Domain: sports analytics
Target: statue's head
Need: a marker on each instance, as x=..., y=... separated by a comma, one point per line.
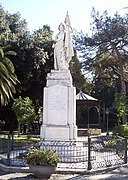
x=61, y=27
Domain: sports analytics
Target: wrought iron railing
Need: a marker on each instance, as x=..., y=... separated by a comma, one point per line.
x=108, y=150
x=93, y=153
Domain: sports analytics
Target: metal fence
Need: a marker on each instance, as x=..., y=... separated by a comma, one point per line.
x=11, y=152
x=93, y=153
x=108, y=151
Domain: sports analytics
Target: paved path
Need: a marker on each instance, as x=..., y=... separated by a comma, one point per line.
x=117, y=174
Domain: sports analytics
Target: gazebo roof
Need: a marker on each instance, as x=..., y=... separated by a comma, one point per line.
x=83, y=96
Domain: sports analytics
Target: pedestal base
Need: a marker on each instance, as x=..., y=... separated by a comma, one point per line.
x=59, y=133
x=59, y=108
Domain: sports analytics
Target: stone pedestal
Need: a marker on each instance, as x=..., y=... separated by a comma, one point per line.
x=59, y=107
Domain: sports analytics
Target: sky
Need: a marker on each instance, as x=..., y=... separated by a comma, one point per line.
x=52, y=12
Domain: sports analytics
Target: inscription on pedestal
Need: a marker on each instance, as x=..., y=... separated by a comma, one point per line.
x=57, y=105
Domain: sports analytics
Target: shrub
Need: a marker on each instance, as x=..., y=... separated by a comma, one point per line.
x=110, y=143
x=42, y=157
x=122, y=130
x=24, y=110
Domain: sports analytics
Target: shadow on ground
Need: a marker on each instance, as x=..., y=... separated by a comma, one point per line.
x=117, y=174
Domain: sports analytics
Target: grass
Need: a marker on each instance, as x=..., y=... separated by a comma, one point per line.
x=21, y=138
x=24, y=139
x=4, y=136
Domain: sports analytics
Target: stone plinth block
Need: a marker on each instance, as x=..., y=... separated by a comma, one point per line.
x=62, y=77
x=59, y=113
x=59, y=107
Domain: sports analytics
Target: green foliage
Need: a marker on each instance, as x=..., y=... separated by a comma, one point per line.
x=105, y=51
x=33, y=61
x=42, y=157
x=121, y=130
x=1, y=124
x=8, y=78
x=110, y=143
x=120, y=102
x=39, y=117
x=24, y=110
x=23, y=139
x=34, y=53
x=79, y=80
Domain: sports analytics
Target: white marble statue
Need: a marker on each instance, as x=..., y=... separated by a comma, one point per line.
x=59, y=102
x=63, y=49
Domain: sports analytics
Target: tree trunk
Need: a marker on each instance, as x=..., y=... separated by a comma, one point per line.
x=119, y=58
x=121, y=77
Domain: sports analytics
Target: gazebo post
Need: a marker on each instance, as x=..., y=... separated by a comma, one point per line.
x=88, y=115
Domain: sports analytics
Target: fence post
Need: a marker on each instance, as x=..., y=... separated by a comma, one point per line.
x=89, y=153
x=116, y=143
x=125, y=150
x=12, y=140
x=8, y=150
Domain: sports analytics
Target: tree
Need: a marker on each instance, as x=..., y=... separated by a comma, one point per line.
x=106, y=49
x=43, y=63
x=120, y=103
x=79, y=80
x=13, y=33
x=34, y=57
x=24, y=111
x=34, y=53
x=8, y=78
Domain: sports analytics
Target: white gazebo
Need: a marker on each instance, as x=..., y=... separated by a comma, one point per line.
x=88, y=102
x=85, y=97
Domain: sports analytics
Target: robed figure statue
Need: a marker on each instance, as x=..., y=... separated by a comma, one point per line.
x=63, y=49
